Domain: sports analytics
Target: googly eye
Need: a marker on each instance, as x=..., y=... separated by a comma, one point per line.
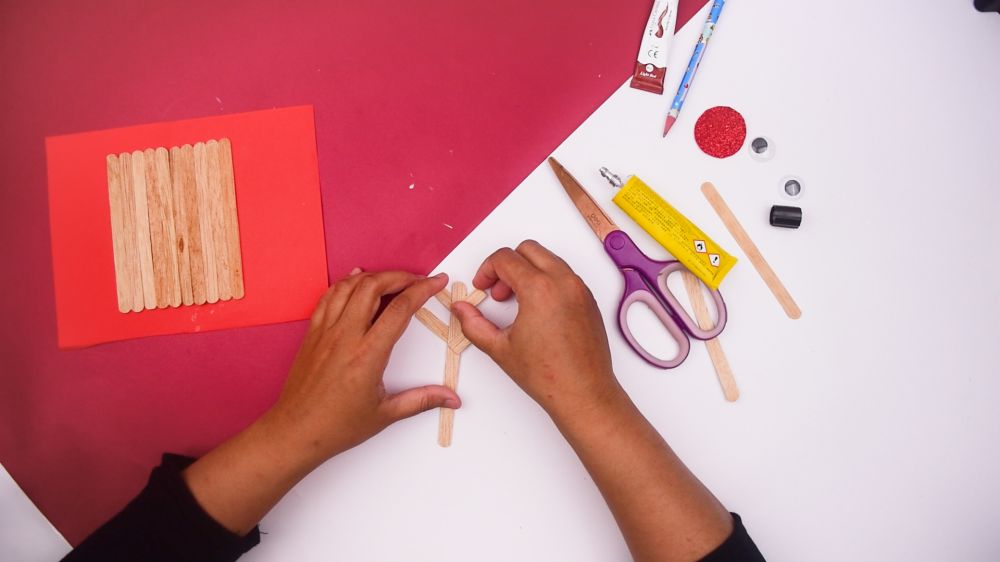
x=761, y=149
x=791, y=187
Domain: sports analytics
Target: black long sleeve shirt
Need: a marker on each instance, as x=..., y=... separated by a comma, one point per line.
x=165, y=523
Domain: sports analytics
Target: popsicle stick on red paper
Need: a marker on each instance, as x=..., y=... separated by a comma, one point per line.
x=232, y=223
x=184, y=171
x=143, y=244
x=456, y=342
x=178, y=176
x=162, y=236
x=130, y=242
x=205, y=222
x=218, y=221
x=119, y=209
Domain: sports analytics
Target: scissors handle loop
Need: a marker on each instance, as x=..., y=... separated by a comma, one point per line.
x=646, y=282
x=637, y=291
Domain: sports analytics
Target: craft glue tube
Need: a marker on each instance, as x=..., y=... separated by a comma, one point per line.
x=681, y=237
x=651, y=64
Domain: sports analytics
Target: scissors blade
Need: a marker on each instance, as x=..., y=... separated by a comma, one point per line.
x=599, y=222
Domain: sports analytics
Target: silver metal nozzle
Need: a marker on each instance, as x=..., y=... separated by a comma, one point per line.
x=612, y=178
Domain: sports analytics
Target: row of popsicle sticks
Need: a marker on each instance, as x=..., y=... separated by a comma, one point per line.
x=174, y=226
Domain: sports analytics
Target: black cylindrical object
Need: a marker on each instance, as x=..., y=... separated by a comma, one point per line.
x=786, y=217
x=987, y=5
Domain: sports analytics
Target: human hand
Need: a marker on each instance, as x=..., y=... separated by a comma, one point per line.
x=556, y=349
x=334, y=397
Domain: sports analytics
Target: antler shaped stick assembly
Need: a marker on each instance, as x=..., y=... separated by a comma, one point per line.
x=455, y=341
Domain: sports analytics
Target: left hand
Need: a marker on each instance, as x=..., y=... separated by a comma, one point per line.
x=334, y=398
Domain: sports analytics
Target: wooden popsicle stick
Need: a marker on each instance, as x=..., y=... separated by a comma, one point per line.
x=475, y=297
x=220, y=245
x=144, y=249
x=161, y=227
x=433, y=324
x=444, y=297
x=234, y=251
x=185, y=170
x=157, y=230
x=205, y=222
x=116, y=201
x=179, y=174
x=166, y=192
x=129, y=229
x=446, y=420
x=461, y=345
x=458, y=293
x=714, y=346
x=750, y=249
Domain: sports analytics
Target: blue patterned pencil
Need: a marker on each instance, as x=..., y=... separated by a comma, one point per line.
x=699, y=51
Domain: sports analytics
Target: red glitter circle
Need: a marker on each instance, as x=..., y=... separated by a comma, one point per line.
x=720, y=131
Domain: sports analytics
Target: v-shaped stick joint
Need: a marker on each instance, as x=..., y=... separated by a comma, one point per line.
x=455, y=344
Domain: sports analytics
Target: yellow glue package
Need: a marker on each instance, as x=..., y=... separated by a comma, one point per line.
x=685, y=241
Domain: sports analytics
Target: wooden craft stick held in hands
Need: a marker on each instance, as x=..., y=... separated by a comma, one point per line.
x=456, y=343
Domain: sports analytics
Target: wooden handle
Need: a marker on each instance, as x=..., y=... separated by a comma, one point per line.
x=722, y=369
x=750, y=249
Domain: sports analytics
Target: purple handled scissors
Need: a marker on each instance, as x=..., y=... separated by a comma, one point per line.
x=645, y=279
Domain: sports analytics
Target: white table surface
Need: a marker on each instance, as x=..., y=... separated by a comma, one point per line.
x=867, y=430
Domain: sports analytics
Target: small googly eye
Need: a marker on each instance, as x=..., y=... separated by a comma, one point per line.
x=761, y=149
x=791, y=187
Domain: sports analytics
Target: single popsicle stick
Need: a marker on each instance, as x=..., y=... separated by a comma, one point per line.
x=218, y=221
x=182, y=163
x=205, y=222
x=231, y=217
x=446, y=420
x=444, y=297
x=116, y=201
x=145, y=251
x=178, y=176
x=750, y=249
x=161, y=227
x=714, y=346
x=475, y=297
x=433, y=324
x=129, y=229
x=166, y=191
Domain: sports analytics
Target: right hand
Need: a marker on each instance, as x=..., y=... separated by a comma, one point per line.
x=556, y=349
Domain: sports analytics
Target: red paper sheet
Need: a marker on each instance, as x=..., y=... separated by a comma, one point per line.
x=280, y=220
x=463, y=97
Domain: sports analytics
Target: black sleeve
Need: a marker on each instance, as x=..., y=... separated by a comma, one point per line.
x=739, y=547
x=164, y=522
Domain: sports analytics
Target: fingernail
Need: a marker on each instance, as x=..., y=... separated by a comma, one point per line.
x=451, y=403
x=441, y=276
x=356, y=271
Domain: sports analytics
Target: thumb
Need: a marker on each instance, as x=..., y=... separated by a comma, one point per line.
x=416, y=400
x=481, y=332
